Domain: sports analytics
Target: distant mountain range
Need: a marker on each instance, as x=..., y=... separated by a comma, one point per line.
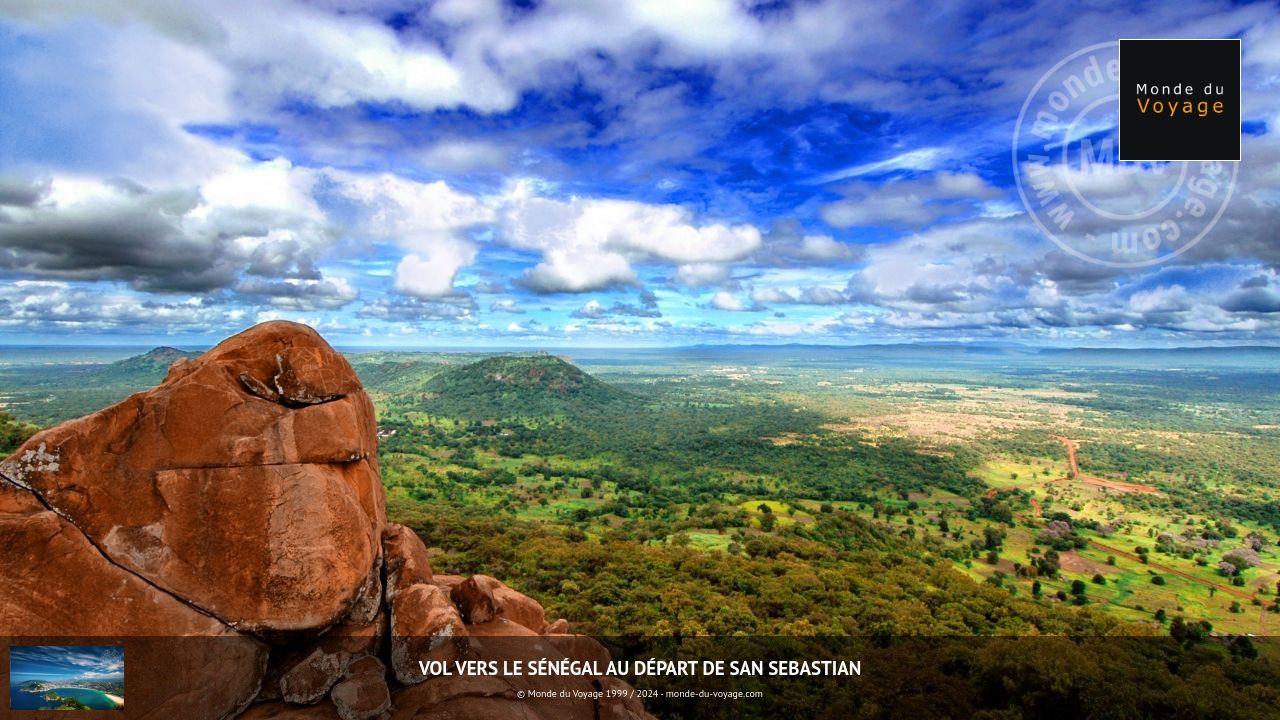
x=985, y=347
x=980, y=351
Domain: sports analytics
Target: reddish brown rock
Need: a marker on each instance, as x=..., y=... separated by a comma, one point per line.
x=621, y=703
x=282, y=711
x=363, y=692
x=501, y=627
x=481, y=598
x=447, y=582
x=406, y=558
x=494, y=698
x=246, y=483
x=367, y=609
x=526, y=697
x=425, y=626
x=310, y=679
x=559, y=627
x=459, y=698
x=581, y=647
x=343, y=640
x=56, y=583
x=317, y=543
x=359, y=639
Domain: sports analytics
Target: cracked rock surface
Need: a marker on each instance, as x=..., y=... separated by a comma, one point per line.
x=228, y=527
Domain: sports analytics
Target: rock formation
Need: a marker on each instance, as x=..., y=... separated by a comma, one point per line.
x=228, y=528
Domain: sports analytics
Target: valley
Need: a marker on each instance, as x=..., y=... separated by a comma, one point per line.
x=790, y=491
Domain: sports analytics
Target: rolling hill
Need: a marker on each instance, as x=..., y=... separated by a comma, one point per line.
x=145, y=370
x=520, y=385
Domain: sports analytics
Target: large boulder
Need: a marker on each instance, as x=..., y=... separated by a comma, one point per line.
x=481, y=598
x=425, y=626
x=309, y=680
x=407, y=560
x=363, y=692
x=245, y=484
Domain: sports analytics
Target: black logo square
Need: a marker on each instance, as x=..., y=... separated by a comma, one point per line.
x=1179, y=100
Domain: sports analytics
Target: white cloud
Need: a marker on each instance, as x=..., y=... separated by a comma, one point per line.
x=431, y=275
x=299, y=293
x=727, y=301
x=505, y=305
x=771, y=296
x=38, y=305
x=427, y=219
x=589, y=244
x=566, y=270
x=919, y=159
x=909, y=203
x=1173, y=298
x=591, y=309
x=250, y=217
x=275, y=184
x=696, y=275
x=463, y=156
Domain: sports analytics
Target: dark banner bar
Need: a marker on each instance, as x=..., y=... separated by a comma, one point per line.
x=705, y=677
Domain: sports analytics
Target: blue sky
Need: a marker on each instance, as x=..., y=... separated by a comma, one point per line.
x=592, y=173
x=69, y=662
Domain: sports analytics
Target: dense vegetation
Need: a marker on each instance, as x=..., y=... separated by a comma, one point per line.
x=840, y=576
x=877, y=496
x=701, y=473
x=13, y=432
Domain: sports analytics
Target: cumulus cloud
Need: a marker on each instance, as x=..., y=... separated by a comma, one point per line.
x=299, y=294
x=909, y=203
x=772, y=296
x=818, y=295
x=787, y=245
x=22, y=192
x=431, y=274
x=506, y=305
x=812, y=295
x=253, y=218
x=1253, y=300
x=156, y=96
x=595, y=310
x=697, y=275
x=589, y=244
x=54, y=306
x=724, y=300
x=564, y=270
x=430, y=220
x=401, y=309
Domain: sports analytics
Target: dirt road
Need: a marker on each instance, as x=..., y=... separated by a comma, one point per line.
x=1097, y=481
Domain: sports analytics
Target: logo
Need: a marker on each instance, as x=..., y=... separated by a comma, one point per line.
x=1180, y=100
x=1082, y=196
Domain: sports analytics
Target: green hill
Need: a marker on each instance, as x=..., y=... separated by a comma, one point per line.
x=519, y=385
x=142, y=371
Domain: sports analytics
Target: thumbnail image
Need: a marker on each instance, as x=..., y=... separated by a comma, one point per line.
x=66, y=677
